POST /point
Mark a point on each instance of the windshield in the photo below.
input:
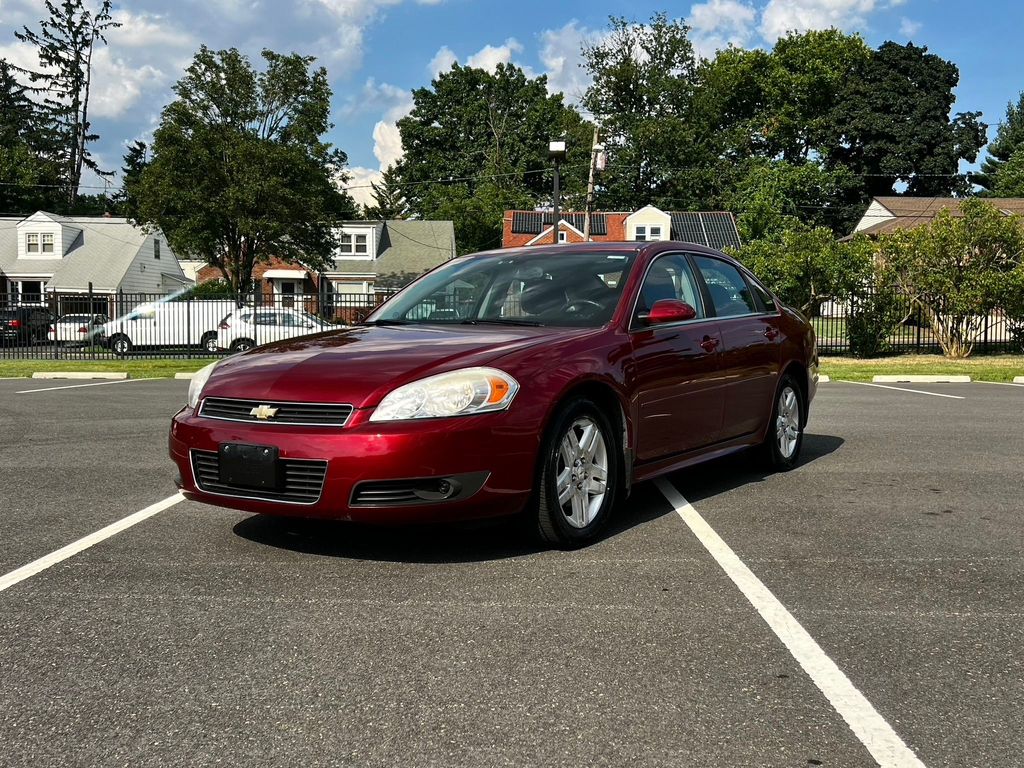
(549, 288)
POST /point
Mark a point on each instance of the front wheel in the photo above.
(121, 346)
(578, 479)
(241, 345)
(785, 435)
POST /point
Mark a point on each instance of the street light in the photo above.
(556, 153)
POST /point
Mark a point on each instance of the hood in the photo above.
(360, 365)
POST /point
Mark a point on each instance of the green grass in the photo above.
(983, 367)
(136, 368)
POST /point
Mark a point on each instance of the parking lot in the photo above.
(203, 636)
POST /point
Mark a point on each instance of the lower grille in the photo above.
(422, 490)
(303, 480)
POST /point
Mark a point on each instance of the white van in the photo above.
(169, 324)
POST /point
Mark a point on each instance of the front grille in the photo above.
(308, 414)
(303, 480)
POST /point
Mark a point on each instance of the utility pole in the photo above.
(594, 149)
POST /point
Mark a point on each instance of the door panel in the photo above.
(750, 360)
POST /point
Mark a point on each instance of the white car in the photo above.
(250, 326)
(78, 329)
(168, 325)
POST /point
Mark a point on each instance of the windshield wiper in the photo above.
(502, 321)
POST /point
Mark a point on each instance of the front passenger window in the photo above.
(670, 278)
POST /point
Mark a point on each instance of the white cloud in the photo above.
(442, 61)
(561, 53)
(387, 143)
(782, 16)
(490, 56)
(359, 182)
(717, 23)
(909, 28)
(117, 86)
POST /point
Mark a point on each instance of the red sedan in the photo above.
(544, 381)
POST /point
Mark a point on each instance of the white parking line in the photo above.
(12, 578)
(903, 389)
(76, 386)
(885, 746)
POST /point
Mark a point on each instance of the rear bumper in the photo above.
(486, 446)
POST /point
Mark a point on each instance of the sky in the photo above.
(377, 51)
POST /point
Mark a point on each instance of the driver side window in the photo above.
(670, 277)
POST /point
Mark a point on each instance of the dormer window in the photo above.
(47, 242)
(32, 242)
(641, 233)
(353, 244)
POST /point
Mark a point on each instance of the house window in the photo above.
(32, 243)
(360, 243)
(346, 244)
(561, 237)
(354, 245)
(641, 233)
(47, 242)
(156, 249)
(655, 233)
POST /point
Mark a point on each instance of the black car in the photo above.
(24, 325)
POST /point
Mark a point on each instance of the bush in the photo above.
(872, 319)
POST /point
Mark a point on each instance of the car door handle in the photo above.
(709, 344)
(770, 333)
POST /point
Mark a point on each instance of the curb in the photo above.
(921, 379)
(80, 375)
(180, 375)
(1018, 379)
(824, 379)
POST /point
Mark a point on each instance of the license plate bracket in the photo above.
(249, 466)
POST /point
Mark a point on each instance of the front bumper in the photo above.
(489, 445)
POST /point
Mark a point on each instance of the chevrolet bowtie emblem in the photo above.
(263, 412)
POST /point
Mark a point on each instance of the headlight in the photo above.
(459, 393)
(195, 387)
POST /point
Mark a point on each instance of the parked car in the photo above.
(245, 328)
(79, 329)
(544, 380)
(24, 325)
(168, 325)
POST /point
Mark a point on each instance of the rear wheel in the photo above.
(241, 345)
(785, 435)
(121, 345)
(578, 477)
(209, 342)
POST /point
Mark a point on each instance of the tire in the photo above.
(572, 474)
(785, 438)
(209, 342)
(121, 345)
(241, 345)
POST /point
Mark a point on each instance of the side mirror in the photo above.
(670, 311)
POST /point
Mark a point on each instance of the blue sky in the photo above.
(377, 50)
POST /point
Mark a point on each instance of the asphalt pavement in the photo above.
(204, 636)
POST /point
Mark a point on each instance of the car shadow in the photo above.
(481, 541)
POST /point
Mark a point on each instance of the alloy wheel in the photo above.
(581, 472)
(787, 422)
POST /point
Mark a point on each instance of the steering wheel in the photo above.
(577, 305)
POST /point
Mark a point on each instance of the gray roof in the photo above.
(404, 248)
(101, 254)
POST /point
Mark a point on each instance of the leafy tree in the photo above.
(644, 82)
(891, 123)
(65, 42)
(389, 200)
(956, 269)
(239, 172)
(806, 266)
(1009, 180)
(488, 134)
(1009, 138)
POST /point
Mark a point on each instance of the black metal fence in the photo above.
(874, 324)
(95, 326)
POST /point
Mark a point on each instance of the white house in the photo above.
(46, 254)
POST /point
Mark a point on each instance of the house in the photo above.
(888, 214)
(372, 257)
(56, 261)
(716, 229)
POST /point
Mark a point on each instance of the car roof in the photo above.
(617, 246)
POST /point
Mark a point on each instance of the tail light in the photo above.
(15, 324)
(224, 325)
(83, 329)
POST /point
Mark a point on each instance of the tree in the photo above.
(239, 172)
(1009, 180)
(1009, 138)
(806, 266)
(30, 177)
(389, 200)
(891, 123)
(65, 43)
(644, 81)
(956, 269)
(476, 144)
